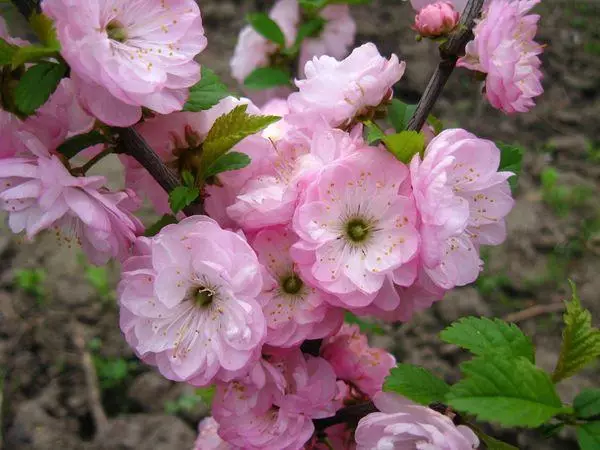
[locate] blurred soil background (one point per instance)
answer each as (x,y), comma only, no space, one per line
(64,364)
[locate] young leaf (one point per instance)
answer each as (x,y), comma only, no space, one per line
(206,93)
(75,144)
(7,51)
(400,113)
(267,77)
(416,383)
(182,196)
(44,28)
(481,335)
(588,436)
(165,220)
(37,85)
(511,159)
(404,145)
(267,27)
(188,178)
(228,161)
(365,327)
(32,53)
(374,133)
(587,404)
(510,391)
(581,342)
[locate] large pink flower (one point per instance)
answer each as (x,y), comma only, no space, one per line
(188,302)
(505,51)
(462,200)
(129,54)
(341,90)
(355,227)
(403,425)
(39,193)
(354,361)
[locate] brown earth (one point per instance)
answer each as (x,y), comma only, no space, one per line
(554,235)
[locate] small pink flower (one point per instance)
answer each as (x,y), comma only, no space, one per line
(188,302)
(129,54)
(355,362)
(404,425)
(342,90)
(505,51)
(459,5)
(208,437)
(436,19)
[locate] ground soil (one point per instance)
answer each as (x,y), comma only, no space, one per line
(554,235)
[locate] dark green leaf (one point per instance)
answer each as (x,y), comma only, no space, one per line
(312,6)
(405,145)
(481,335)
(400,114)
(75,144)
(182,196)
(206,93)
(510,391)
(43,26)
(351,2)
(416,383)
(165,220)
(365,327)
(588,436)
(37,85)
(7,51)
(266,78)
(228,161)
(587,403)
(267,27)
(493,443)
(550,429)
(511,159)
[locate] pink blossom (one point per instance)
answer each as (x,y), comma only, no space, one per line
(208,437)
(295,310)
(404,425)
(188,302)
(505,51)
(436,19)
(342,90)
(39,193)
(355,227)
(355,362)
(462,200)
(129,54)
(276,107)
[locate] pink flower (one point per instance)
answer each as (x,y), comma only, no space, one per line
(295,310)
(436,19)
(404,425)
(276,107)
(188,302)
(462,200)
(355,227)
(505,51)
(339,437)
(39,193)
(208,437)
(125,55)
(342,90)
(355,362)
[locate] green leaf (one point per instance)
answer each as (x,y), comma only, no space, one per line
(77,143)
(182,196)
(267,27)
(481,335)
(206,394)
(32,53)
(581,342)
(587,403)
(437,124)
(511,160)
(588,436)
(188,178)
(266,78)
(44,28)
(206,93)
(416,383)
(374,133)
(312,6)
(7,52)
(365,327)
(228,161)
(351,2)
(490,442)
(404,145)
(37,85)
(510,391)
(400,113)
(310,28)
(228,130)
(165,220)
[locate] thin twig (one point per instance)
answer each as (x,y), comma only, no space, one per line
(349,414)
(450,51)
(88,165)
(534,311)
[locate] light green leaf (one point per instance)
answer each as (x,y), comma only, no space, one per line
(206,93)
(374,133)
(437,124)
(207,394)
(587,403)
(405,145)
(267,27)
(32,53)
(44,28)
(581,342)
(165,220)
(75,144)
(266,78)
(481,335)
(507,390)
(511,160)
(228,161)
(37,85)
(182,196)
(7,52)
(399,114)
(365,327)
(588,436)
(416,383)
(188,178)
(312,6)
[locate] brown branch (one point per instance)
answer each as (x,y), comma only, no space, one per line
(450,51)
(534,311)
(349,414)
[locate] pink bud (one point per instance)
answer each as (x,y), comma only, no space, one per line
(436,19)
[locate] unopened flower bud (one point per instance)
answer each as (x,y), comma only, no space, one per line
(436,19)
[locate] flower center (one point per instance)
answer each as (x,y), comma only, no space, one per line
(203,297)
(357,230)
(116,31)
(292,284)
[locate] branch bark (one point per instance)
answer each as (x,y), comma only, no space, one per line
(450,51)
